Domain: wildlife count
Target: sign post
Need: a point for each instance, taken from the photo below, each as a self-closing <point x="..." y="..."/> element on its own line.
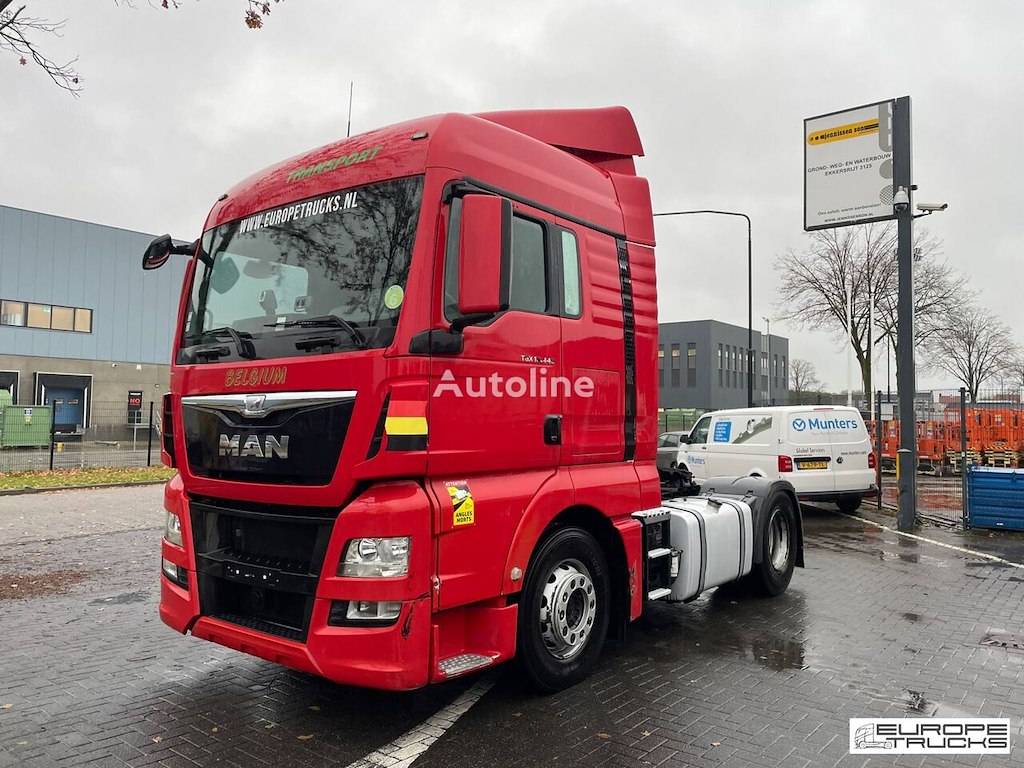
<point x="857" y="170"/>
<point x="134" y="412"/>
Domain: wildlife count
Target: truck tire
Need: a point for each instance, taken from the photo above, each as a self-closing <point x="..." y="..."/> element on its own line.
<point x="849" y="504"/>
<point x="772" y="575"/>
<point x="563" y="611"/>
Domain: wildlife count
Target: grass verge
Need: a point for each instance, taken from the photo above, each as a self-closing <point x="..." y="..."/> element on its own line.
<point x="64" y="478"/>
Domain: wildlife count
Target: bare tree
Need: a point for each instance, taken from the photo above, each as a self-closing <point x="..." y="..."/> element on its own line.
<point x="863" y="260"/>
<point x="974" y="347"/>
<point x="804" y="382"/>
<point x="19" y="34"/>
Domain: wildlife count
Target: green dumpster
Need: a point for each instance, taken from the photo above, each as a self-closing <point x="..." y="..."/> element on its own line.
<point x="23" y="426"/>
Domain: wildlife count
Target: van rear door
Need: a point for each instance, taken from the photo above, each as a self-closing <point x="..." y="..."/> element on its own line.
<point x="808" y="445"/>
<point x="850" y="449"/>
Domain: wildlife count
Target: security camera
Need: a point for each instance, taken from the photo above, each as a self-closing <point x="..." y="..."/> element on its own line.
<point x="932" y="207"/>
<point x="901" y="200"/>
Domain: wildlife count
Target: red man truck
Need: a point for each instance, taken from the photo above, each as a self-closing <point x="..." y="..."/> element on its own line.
<point x="413" y="410"/>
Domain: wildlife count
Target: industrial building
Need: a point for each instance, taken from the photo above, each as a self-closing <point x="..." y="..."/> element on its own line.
<point x="703" y="364"/>
<point x="81" y="325"/>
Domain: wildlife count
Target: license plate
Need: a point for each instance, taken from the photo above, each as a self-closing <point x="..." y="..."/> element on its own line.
<point x="812" y="465"/>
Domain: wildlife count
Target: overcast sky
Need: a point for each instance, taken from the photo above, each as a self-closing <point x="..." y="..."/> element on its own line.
<point x="179" y="105"/>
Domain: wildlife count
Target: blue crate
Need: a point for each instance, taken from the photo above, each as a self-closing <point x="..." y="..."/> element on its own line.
<point x="995" y="498"/>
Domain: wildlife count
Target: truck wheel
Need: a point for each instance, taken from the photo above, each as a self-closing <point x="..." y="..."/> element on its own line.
<point x="563" y="612"/>
<point x="772" y="575"/>
<point x="849" y="504"/>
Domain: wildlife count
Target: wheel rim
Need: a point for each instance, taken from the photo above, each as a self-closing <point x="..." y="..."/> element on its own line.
<point x="778" y="539"/>
<point x="568" y="609"/>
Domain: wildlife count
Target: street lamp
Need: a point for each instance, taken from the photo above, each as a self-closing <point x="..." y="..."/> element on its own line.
<point x="750" y="294"/>
<point x="768" y="335"/>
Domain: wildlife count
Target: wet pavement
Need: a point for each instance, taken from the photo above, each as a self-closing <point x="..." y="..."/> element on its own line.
<point x="876" y="625"/>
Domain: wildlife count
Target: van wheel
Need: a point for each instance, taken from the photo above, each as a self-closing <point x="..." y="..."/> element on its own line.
<point x="849" y="504"/>
<point x="772" y="575"/>
<point x="563" y="612"/>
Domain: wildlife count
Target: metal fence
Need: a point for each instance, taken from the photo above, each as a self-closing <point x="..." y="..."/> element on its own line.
<point x="953" y="430"/>
<point x="50" y="437"/>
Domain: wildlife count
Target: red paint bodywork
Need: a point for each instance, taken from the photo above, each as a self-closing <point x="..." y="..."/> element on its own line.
<point x="563" y="167"/>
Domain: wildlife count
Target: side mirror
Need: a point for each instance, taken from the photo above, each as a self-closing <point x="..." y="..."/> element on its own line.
<point x="485" y="247"/>
<point x="158" y="252"/>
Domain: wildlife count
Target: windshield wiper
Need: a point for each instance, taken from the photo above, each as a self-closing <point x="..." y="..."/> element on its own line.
<point x="326" y="321"/>
<point x="243" y="344"/>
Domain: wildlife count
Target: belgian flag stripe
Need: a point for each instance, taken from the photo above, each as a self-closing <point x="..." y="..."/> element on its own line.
<point x="405" y="425"/>
<point x="406" y="442"/>
<point x="408" y="408"/>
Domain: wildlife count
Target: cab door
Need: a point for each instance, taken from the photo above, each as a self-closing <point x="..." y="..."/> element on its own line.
<point x="494" y="420"/>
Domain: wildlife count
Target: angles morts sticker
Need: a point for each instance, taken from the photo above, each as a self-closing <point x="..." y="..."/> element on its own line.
<point x="462" y="502"/>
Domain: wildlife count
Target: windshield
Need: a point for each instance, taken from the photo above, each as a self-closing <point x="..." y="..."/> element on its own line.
<point x="327" y="274"/>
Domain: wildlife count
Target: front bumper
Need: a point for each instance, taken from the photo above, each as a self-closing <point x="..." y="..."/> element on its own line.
<point x="394" y="657"/>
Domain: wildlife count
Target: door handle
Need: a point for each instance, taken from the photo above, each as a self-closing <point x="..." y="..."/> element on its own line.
<point x="553" y="429"/>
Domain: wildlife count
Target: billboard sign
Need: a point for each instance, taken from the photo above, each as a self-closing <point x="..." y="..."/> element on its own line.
<point x="848" y="167"/>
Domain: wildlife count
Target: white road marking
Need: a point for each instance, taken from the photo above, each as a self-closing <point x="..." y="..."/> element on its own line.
<point x="401" y="752"/>
<point x="914" y="536"/>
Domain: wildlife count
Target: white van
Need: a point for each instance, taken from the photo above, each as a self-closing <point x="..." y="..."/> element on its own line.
<point x="824" y="451"/>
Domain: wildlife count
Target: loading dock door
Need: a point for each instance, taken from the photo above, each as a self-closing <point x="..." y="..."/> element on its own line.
<point x="69" y="394"/>
<point x="68" y="408"/>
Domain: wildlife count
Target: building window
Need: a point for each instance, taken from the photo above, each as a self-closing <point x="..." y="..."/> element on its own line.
<point x="719" y="359"/>
<point x="48" y="316"/>
<point x="676" y="360"/>
<point x="691" y="357"/>
<point x="62" y="318"/>
<point x="12" y="313"/>
<point x="38" y="315"/>
<point x="661" y="365"/>
<point x="83" y="320"/>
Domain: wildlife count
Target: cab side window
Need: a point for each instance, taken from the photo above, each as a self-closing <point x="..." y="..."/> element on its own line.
<point x="699" y="436"/>
<point x="528" y="279"/>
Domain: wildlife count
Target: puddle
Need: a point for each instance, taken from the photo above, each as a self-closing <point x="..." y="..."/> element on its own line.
<point x="125" y="599"/>
<point x="21" y="586"/>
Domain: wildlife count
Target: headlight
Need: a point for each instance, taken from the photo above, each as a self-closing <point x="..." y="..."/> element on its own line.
<point x="376" y="558"/>
<point x="172" y="529"/>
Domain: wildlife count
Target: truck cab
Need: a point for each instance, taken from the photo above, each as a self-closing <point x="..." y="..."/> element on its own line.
<point x="413" y="402"/>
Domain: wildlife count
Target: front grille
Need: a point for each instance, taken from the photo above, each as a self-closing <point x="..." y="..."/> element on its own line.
<point x="297" y="445"/>
<point x="258" y="565"/>
<point x="266" y="627"/>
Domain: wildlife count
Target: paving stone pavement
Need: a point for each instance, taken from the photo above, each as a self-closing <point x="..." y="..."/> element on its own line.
<point x="876" y="625"/>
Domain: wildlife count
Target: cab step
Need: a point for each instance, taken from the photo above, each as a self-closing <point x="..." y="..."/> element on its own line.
<point x="464" y="663"/>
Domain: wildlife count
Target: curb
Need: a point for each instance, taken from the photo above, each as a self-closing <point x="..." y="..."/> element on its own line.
<point x="21" y="491"/>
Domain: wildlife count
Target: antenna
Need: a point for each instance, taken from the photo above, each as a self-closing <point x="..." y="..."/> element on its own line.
<point x="348" y="131"/>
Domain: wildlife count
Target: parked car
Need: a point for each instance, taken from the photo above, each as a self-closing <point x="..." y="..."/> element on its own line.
<point x="824" y="451"/>
<point x="671" y="449"/>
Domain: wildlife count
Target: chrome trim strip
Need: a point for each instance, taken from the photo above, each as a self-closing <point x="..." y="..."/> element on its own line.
<point x="272" y="401"/>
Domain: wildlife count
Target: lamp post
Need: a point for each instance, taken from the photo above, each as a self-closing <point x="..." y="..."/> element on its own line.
<point x="768" y="335"/>
<point x="750" y="294"/>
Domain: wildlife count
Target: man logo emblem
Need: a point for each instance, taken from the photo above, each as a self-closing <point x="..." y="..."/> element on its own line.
<point x="799" y="425"/>
<point x="254" y="405"/>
